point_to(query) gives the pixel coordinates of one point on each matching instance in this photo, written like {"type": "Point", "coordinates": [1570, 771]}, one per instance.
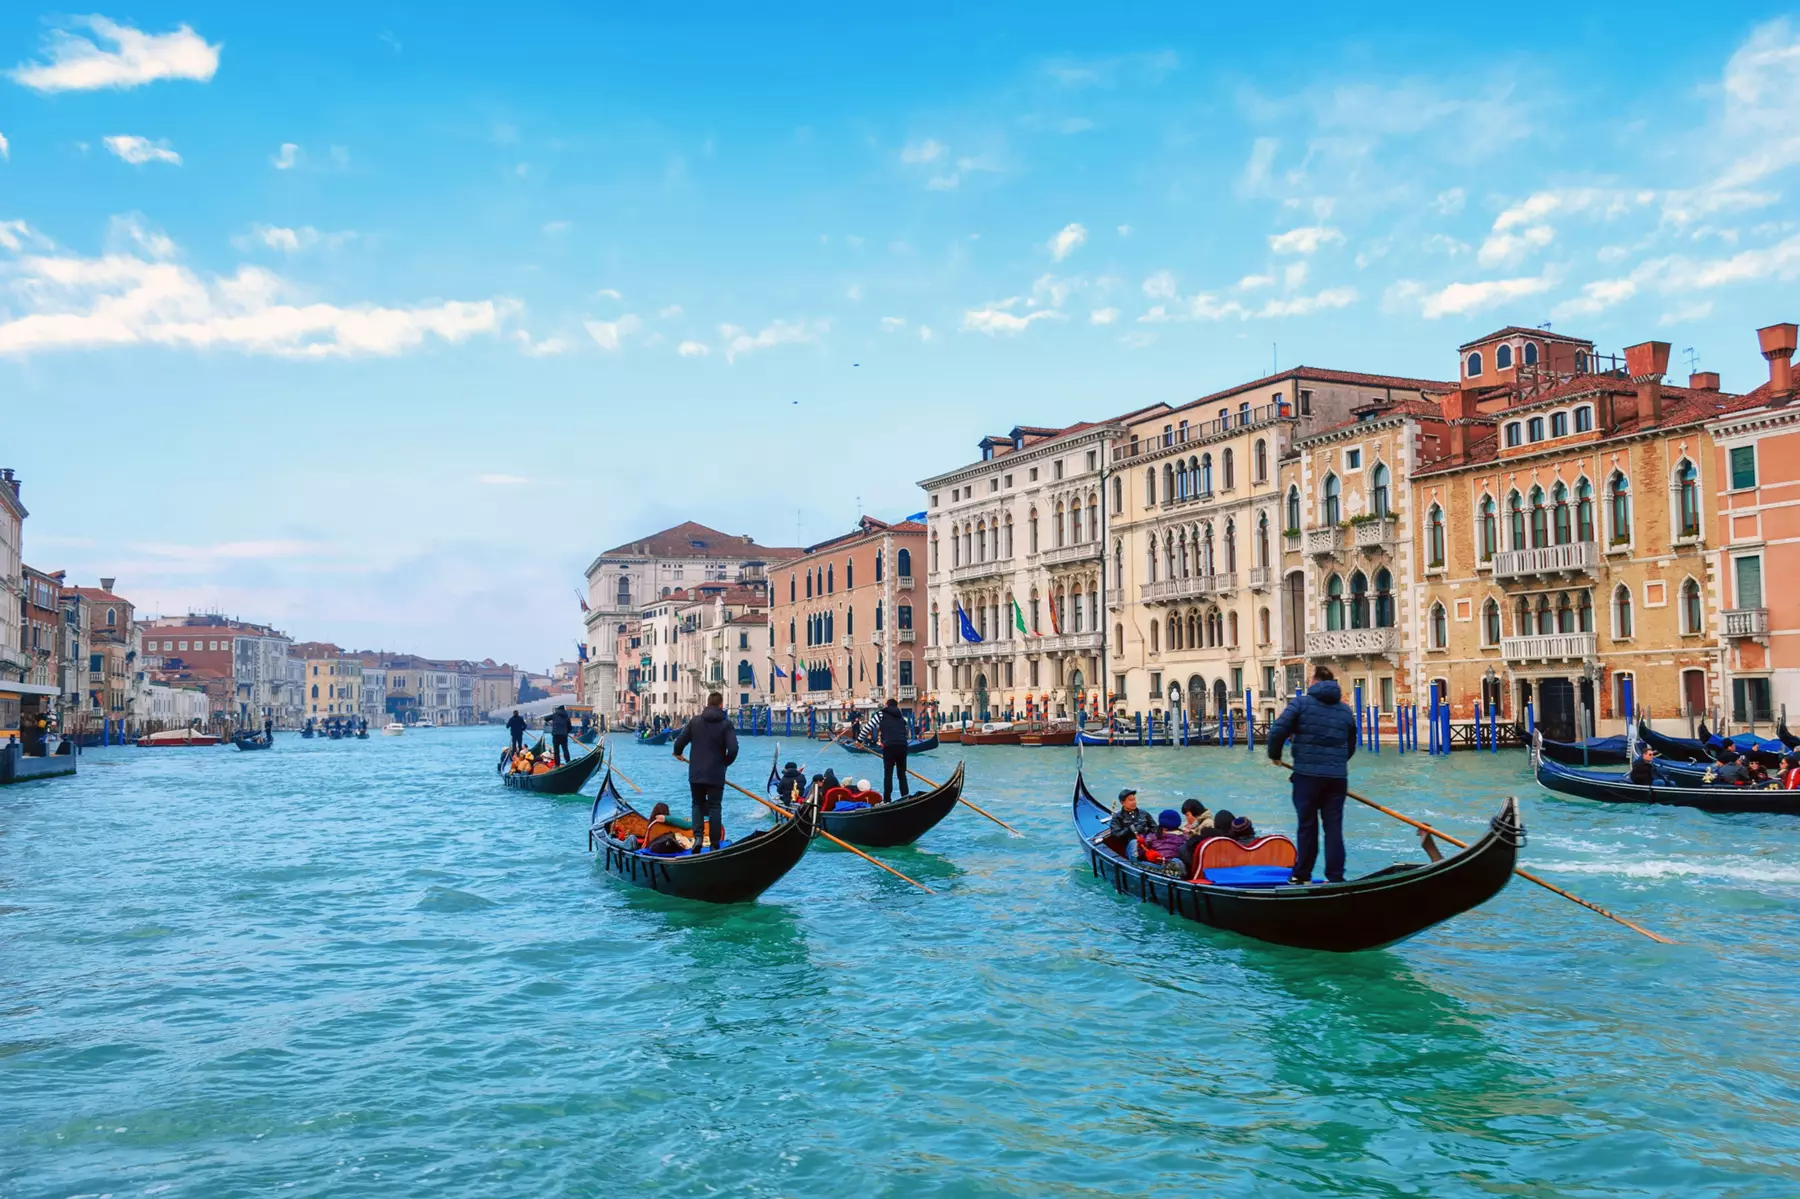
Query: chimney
{"type": "Point", "coordinates": [1458, 407]}
{"type": "Point", "coordinates": [1704, 381]}
{"type": "Point", "coordinates": [1647, 363]}
{"type": "Point", "coordinates": [107, 584]}
{"type": "Point", "coordinates": [1778, 347]}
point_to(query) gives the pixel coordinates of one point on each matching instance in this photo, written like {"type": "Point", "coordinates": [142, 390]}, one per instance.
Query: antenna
{"type": "Point", "coordinates": [1693, 358]}
{"type": "Point", "coordinates": [859, 507]}
{"type": "Point", "coordinates": [1274, 358]}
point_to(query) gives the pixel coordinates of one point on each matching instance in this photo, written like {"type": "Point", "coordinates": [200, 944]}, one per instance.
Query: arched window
{"type": "Point", "coordinates": [1584, 510]}
{"type": "Point", "coordinates": [981, 541]}
{"type": "Point", "coordinates": [809, 588]}
{"type": "Point", "coordinates": [903, 562]}
{"type": "Point", "coordinates": [850, 620]}
{"type": "Point", "coordinates": [1149, 486]}
{"type": "Point", "coordinates": [1293, 510]}
{"type": "Point", "coordinates": [1502, 357]}
{"type": "Point", "coordinates": [1540, 520]}
{"type": "Point", "coordinates": [791, 637]}
{"type": "Point", "coordinates": [1262, 541]}
{"type": "Point", "coordinates": [1169, 492]}
{"type": "Point", "coordinates": [112, 618]}
{"type": "Point", "coordinates": [1584, 613]}
{"type": "Point", "coordinates": [1262, 461]}
{"type": "Point", "coordinates": [1434, 536]}
{"type": "Point", "coordinates": [1118, 638]}
{"type": "Point", "coordinates": [1359, 600]}
{"type": "Point", "coordinates": [1226, 465]}
{"type": "Point", "coordinates": [1621, 612]}
{"type": "Point", "coordinates": [1181, 480]}
{"type": "Point", "coordinates": [1231, 547]}
{"type": "Point", "coordinates": [1619, 500]}
{"type": "Point", "coordinates": [1522, 618]}
{"type": "Point", "coordinates": [1334, 603]}
{"type": "Point", "coordinates": [315, 686]}
{"type": "Point", "coordinates": [1075, 521]}
{"type": "Point", "coordinates": [1062, 516]}
{"type": "Point", "coordinates": [1687, 503]}
{"type": "Point", "coordinates": [1490, 532]}
{"type": "Point", "coordinates": [1692, 618]}
{"type": "Point", "coordinates": [1531, 353]}
{"type": "Point", "coordinates": [1150, 562]}
{"type": "Point", "coordinates": [1232, 635]}
{"type": "Point", "coordinates": [1581, 362]}
{"type": "Point", "coordinates": [1490, 622]}
{"type": "Point", "coordinates": [1565, 614]}
{"type": "Point", "coordinates": [1032, 533]}
{"type": "Point", "coordinates": [850, 572]}
{"type": "Point", "coordinates": [1473, 367]}
{"type": "Point", "coordinates": [1515, 521]}
{"type": "Point", "coordinates": [1174, 631]}
{"type": "Point", "coordinates": [1515, 434]}
{"type": "Point", "coordinates": [1378, 491]}
{"type": "Point", "coordinates": [1440, 627]}
{"type": "Point", "coordinates": [830, 578]}
{"type": "Point", "coordinates": [1210, 563]}
{"type": "Point", "coordinates": [1384, 599]}
{"type": "Point", "coordinates": [1093, 509]}
{"type": "Point", "coordinates": [1119, 567]}
{"type": "Point", "coordinates": [880, 557]}
{"type": "Point", "coordinates": [1330, 513]}
{"type": "Point", "coordinates": [1118, 492]}
{"type": "Point", "coordinates": [1206, 474]}
{"type": "Point", "coordinates": [1559, 508]}
{"type": "Point", "coordinates": [1546, 623]}
{"type": "Point", "coordinates": [1155, 630]}
{"type": "Point", "coordinates": [1262, 626]}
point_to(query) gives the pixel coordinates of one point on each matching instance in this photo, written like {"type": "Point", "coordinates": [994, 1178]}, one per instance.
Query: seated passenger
{"type": "Point", "coordinates": [1731, 771]}
{"type": "Point", "coordinates": [1790, 776]}
{"type": "Point", "coordinates": [791, 784]}
{"type": "Point", "coordinates": [831, 779]}
{"type": "Point", "coordinates": [1643, 769]}
{"type": "Point", "coordinates": [1166, 843]}
{"type": "Point", "coordinates": [668, 841]}
{"type": "Point", "coordinates": [1238, 828]}
{"type": "Point", "coordinates": [1755, 773]}
{"type": "Point", "coordinates": [1196, 821]}
{"type": "Point", "coordinates": [865, 793]}
{"type": "Point", "coordinates": [1129, 823]}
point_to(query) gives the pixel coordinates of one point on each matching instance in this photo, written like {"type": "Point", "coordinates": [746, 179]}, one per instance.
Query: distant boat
{"type": "Point", "coordinates": [422, 724]}
{"type": "Point", "coordinates": [394, 729]}
{"type": "Point", "coordinates": [177, 737]}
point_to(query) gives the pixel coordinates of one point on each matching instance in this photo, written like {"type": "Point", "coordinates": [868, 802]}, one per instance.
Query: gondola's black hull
{"type": "Point", "coordinates": [659, 737]}
{"type": "Point", "coordinates": [1365, 913]}
{"type": "Point", "coordinates": [922, 745]}
{"type": "Point", "coordinates": [250, 743]}
{"type": "Point", "coordinates": [1683, 749]}
{"type": "Point", "coordinates": [738, 873]}
{"type": "Point", "coordinates": [898, 823]}
{"type": "Point", "coordinates": [567, 779]}
{"type": "Point", "coordinates": [1611, 751]}
{"type": "Point", "coordinates": [1564, 780]}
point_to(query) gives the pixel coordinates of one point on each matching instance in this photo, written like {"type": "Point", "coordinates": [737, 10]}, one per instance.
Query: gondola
{"type": "Point", "coordinates": [655, 736]}
{"type": "Point", "coordinates": [1595, 751]}
{"type": "Point", "coordinates": [567, 779]}
{"type": "Point", "coordinates": [739, 872]}
{"type": "Point", "coordinates": [1786, 738]}
{"type": "Point", "coordinates": [1679, 749]}
{"type": "Point", "coordinates": [584, 736]}
{"type": "Point", "coordinates": [1378, 909]}
{"type": "Point", "coordinates": [1613, 788]}
{"type": "Point", "coordinates": [899, 822]}
{"type": "Point", "coordinates": [918, 745]}
{"type": "Point", "coordinates": [1767, 750]}
{"type": "Point", "coordinates": [1119, 737]}
{"type": "Point", "coordinates": [249, 741]}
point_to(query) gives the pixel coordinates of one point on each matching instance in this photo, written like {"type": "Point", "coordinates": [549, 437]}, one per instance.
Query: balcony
{"type": "Point", "coordinates": [907, 691]}
{"type": "Point", "coordinates": [1352, 643]}
{"type": "Point", "coordinates": [964, 650]}
{"type": "Point", "coordinates": [1149, 447]}
{"type": "Point", "coordinates": [907, 635]}
{"type": "Point", "coordinates": [978, 570]}
{"type": "Point", "coordinates": [903, 582]}
{"type": "Point", "coordinates": [1573, 558]}
{"type": "Point", "coordinates": [1259, 578]}
{"type": "Point", "coordinates": [1747, 622]}
{"type": "Point", "coordinates": [1167, 590]}
{"type": "Point", "coordinates": [1375, 534]}
{"type": "Point", "coordinates": [1087, 551]}
{"type": "Point", "coordinates": [1323, 541]}
{"type": "Point", "coordinates": [1069, 643]}
{"type": "Point", "coordinates": [1291, 541]}
{"type": "Point", "coordinates": [1549, 647]}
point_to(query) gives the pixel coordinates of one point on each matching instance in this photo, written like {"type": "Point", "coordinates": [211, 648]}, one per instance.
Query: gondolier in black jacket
{"type": "Point", "coordinates": [1323, 731]}
{"type": "Point", "coordinates": [894, 737]}
{"type": "Point", "coordinates": [559, 734]}
{"type": "Point", "coordinates": [516, 726]}
{"type": "Point", "coordinates": [712, 743]}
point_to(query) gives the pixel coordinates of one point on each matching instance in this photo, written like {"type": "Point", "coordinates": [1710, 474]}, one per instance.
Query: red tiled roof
{"type": "Point", "coordinates": [1418, 409]}
{"type": "Point", "coordinates": [1318, 374]}
{"type": "Point", "coordinates": [99, 595]}
{"type": "Point", "coordinates": [679, 542]}
{"type": "Point", "coordinates": [1522, 331]}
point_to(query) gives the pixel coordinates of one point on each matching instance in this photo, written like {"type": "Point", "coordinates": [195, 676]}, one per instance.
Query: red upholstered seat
{"type": "Point", "coordinates": [1272, 849]}
{"type": "Point", "coordinates": [833, 796]}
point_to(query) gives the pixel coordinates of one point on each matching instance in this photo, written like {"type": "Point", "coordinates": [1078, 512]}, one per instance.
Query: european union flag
{"type": "Point", "coordinates": [968, 629]}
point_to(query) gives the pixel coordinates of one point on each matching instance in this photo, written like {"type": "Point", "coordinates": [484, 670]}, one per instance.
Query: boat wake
{"type": "Point", "coordinates": [1736, 870]}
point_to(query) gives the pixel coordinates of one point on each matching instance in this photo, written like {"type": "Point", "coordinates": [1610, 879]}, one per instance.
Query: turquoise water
{"type": "Point", "coordinates": [366, 968]}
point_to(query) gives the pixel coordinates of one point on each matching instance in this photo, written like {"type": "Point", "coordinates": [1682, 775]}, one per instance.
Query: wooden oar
{"type": "Point", "coordinates": [1524, 874]}
{"type": "Point", "coordinates": [959, 799]}
{"type": "Point", "coordinates": [775, 807]}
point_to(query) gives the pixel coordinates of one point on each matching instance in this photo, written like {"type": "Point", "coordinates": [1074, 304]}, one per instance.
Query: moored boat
{"type": "Point", "coordinates": [1050, 734]}
{"type": "Point", "coordinates": [1595, 751]}
{"type": "Point", "coordinates": [737, 872]}
{"type": "Point", "coordinates": [393, 729]}
{"type": "Point", "coordinates": [1378, 909]}
{"type": "Point", "coordinates": [1615, 788]}
{"type": "Point", "coordinates": [566, 779]}
{"type": "Point", "coordinates": [950, 734]}
{"type": "Point", "coordinates": [992, 734]}
{"type": "Point", "coordinates": [177, 738]}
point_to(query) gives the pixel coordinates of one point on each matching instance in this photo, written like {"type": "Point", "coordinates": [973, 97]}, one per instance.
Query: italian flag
{"type": "Point", "coordinates": [1019, 619]}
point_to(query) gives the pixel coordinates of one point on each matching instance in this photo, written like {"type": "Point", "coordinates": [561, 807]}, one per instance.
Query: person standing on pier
{"type": "Point", "coordinates": [1323, 731]}
{"type": "Point", "coordinates": [715, 747]}
{"type": "Point", "coordinates": [516, 726]}
{"type": "Point", "coordinates": [894, 738]}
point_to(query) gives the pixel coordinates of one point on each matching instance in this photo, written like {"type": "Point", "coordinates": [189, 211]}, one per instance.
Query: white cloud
{"type": "Point", "coordinates": [546, 348]}
{"type": "Point", "coordinates": [924, 332]}
{"type": "Point", "coordinates": [1049, 291]}
{"type": "Point", "coordinates": [1460, 298]}
{"type": "Point", "coordinates": [1441, 243]}
{"type": "Point", "coordinates": [1294, 276]}
{"type": "Point", "coordinates": [5, 149]}
{"type": "Point", "coordinates": [942, 183]}
{"type": "Point", "coordinates": [139, 150]}
{"type": "Point", "coordinates": [1686, 313]}
{"type": "Point", "coordinates": [928, 150]}
{"type": "Point", "coordinates": [1103, 316]}
{"type": "Point", "coordinates": [1160, 286]}
{"type": "Point", "coordinates": [1252, 282]}
{"type": "Point", "coordinates": [998, 318]}
{"type": "Point", "coordinates": [892, 324]}
{"type": "Point", "coordinates": [1304, 240]}
{"type": "Point", "coordinates": [692, 349]}
{"type": "Point", "coordinates": [291, 241]}
{"type": "Point", "coordinates": [78, 63]}
{"type": "Point", "coordinates": [608, 293]}
{"type": "Point", "coordinates": [1450, 201]}
{"type": "Point", "coordinates": [1205, 306]}
{"type": "Point", "coordinates": [1137, 339]}
{"type": "Point", "coordinates": [1501, 249]}
{"type": "Point", "coordinates": [1257, 169]}
{"type": "Point", "coordinates": [1124, 230]}
{"type": "Point", "coordinates": [968, 164]}
{"type": "Point", "coordinates": [501, 480]}
{"type": "Point", "coordinates": [610, 335]}
{"type": "Point", "coordinates": [1066, 242]}
{"type": "Point", "coordinates": [669, 313]}
{"type": "Point", "coordinates": [777, 333]}
{"type": "Point", "coordinates": [16, 235]}
{"type": "Point", "coordinates": [136, 294]}
{"type": "Point", "coordinates": [286, 158]}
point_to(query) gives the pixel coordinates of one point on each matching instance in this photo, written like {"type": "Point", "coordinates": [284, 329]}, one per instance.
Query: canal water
{"type": "Point", "coordinates": [366, 968]}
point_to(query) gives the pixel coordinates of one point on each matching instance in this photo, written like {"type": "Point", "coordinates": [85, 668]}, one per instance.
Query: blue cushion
{"type": "Point", "coordinates": [1248, 876]}
{"type": "Point", "coordinates": [849, 805]}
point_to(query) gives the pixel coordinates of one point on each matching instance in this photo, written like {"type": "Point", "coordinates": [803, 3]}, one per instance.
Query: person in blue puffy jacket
{"type": "Point", "coordinates": [1323, 731]}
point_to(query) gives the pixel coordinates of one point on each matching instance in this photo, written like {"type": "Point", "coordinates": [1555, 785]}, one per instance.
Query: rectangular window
{"type": "Point", "coordinates": [1305, 402]}
{"type": "Point", "coordinates": [1034, 471]}
{"type": "Point", "coordinates": [1387, 694]}
{"type": "Point", "coordinates": [1352, 459]}
{"type": "Point", "coordinates": [1268, 681]}
{"type": "Point", "coordinates": [1237, 680]}
{"type": "Point", "coordinates": [1559, 424]}
{"type": "Point", "coordinates": [1584, 419]}
{"type": "Point", "coordinates": [1119, 686]}
{"type": "Point", "coordinates": [1749, 581]}
{"type": "Point", "coordinates": [1743, 467]}
{"type": "Point", "coordinates": [1007, 482]}
{"type": "Point", "coordinates": [1056, 469]}
{"type": "Point", "coordinates": [993, 486]}
{"type": "Point", "coordinates": [1156, 684]}
{"type": "Point", "coordinates": [1750, 700]}
{"type": "Point", "coordinates": [1034, 672]}
{"type": "Point", "coordinates": [1514, 435]}
{"type": "Point", "coordinates": [1093, 459]}
{"type": "Point", "coordinates": [1535, 428]}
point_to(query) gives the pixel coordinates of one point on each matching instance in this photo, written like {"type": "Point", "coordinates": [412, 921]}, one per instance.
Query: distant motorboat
{"type": "Point", "coordinates": [177, 737]}
{"type": "Point", "coordinates": [394, 729]}
{"type": "Point", "coordinates": [423, 724]}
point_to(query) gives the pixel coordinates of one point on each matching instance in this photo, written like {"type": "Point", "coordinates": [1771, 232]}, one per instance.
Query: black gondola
{"type": "Point", "coordinates": [655, 736]}
{"type": "Point", "coordinates": [248, 741]}
{"type": "Point", "coordinates": [567, 779]}
{"type": "Point", "coordinates": [1613, 788]}
{"type": "Point", "coordinates": [1679, 749]}
{"type": "Point", "coordinates": [1786, 738]}
{"type": "Point", "coordinates": [918, 745]}
{"type": "Point", "coordinates": [1378, 909]}
{"type": "Point", "coordinates": [900, 822]}
{"type": "Point", "coordinates": [584, 736]}
{"type": "Point", "coordinates": [1595, 751]}
{"type": "Point", "coordinates": [737, 873]}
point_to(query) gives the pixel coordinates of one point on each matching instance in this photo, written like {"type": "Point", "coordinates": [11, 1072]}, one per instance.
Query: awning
{"type": "Point", "coordinates": [11, 688]}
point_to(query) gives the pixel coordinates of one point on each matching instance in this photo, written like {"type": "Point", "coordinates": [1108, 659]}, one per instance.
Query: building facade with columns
{"type": "Point", "coordinates": [1017, 548]}
{"type": "Point", "coordinates": [845, 619]}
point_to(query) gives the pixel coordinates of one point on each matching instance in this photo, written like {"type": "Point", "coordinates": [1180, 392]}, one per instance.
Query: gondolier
{"type": "Point", "coordinates": [894, 736]}
{"type": "Point", "coordinates": [559, 734]}
{"type": "Point", "coordinates": [516, 726]}
{"type": "Point", "coordinates": [1323, 731]}
{"type": "Point", "coordinates": [713, 744]}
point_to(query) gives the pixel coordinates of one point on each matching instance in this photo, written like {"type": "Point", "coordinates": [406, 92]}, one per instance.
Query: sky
{"type": "Point", "coordinates": [379, 322]}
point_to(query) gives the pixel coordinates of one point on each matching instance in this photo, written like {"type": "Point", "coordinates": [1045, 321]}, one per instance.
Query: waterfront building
{"type": "Point", "coordinates": [40, 630]}
{"type": "Point", "coordinates": [496, 688]}
{"type": "Point", "coordinates": [676, 635]}
{"type": "Point", "coordinates": [1755, 616]}
{"type": "Point", "coordinates": [109, 638]}
{"type": "Point", "coordinates": [1564, 540]}
{"type": "Point", "coordinates": [243, 664]}
{"type": "Point", "coordinates": [843, 624]}
{"type": "Point", "coordinates": [372, 707]}
{"type": "Point", "coordinates": [633, 661]}
{"type": "Point", "coordinates": [1018, 537]}
{"type": "Point", "coordinates": [333, 681]}
{"type": "Point", "coordinates": [624, 581]}
{"type": "Point", "coordinates": [27, 688]}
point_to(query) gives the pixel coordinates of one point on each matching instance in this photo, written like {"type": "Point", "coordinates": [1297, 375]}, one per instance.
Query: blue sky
{"type": "Point", "coordinates": [379, 321]}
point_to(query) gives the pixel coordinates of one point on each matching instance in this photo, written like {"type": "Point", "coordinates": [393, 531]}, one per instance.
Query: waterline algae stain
{"type": "Point", "coordinates": [364, 968]}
